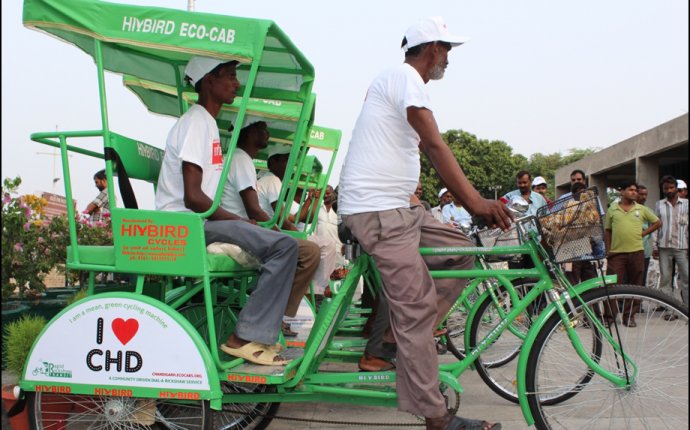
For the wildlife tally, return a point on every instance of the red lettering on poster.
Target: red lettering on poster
(250, 379)
(53, 389)
(178, 395)
(217, 157)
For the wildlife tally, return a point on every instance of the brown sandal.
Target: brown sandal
(370, 363)
(287, 331)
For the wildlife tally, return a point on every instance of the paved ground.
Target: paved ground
(477, 402)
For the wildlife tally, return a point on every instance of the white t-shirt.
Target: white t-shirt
(194, 139)
(381, 168)
(328, 225)
(242, 176)
(268, 189)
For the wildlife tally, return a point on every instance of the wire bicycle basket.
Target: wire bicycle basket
(571, 227)
(492, 237)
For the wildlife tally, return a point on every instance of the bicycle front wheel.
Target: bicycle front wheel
(657, 370)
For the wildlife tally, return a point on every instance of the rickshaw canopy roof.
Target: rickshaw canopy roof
(281, 116)
(155, 44)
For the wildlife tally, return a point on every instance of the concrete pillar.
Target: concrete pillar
(599, 181)
(647, 170)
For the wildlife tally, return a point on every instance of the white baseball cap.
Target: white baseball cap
(680, 184)
(278, 149)
(198, 67)
(539, 181)
(442, 192)
(431, 29)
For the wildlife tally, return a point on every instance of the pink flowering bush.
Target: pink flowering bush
(27, 254)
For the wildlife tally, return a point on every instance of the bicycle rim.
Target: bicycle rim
(658, 346)
(497, 365)
(245, 416)
(81, 412)
(456, 322)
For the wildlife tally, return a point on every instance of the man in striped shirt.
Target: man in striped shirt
(672, 238)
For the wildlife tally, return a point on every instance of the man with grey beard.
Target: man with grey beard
(377, 203)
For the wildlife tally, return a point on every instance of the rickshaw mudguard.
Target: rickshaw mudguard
(122, 344)
(537, 325)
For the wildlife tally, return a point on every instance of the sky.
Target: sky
(542, 76)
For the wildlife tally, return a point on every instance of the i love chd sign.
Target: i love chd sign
(119, 340)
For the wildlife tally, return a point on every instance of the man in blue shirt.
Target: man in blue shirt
(524, 189)
(535, 200)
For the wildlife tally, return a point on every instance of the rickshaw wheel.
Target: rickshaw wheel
(224, 320)
(245, 416)
(77, 412)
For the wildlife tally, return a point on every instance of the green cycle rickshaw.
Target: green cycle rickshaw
(147, 356)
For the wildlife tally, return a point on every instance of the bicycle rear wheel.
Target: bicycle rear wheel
(497, 365)
(657, 396)
(82, 412)
(233, 416)
(245, 416)
(456, 322)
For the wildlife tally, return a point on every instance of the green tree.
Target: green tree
(576, 154)
(490, 163)
(485, 163)
(546, 165)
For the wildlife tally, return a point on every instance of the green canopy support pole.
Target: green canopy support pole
(180, 90)
(98, 56)
(253, 71)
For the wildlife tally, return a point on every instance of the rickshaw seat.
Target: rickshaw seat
(223, 263)
(97, 255)
(105, 256)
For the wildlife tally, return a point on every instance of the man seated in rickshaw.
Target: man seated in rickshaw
(268, 188)
(240, 197)
(190, 174)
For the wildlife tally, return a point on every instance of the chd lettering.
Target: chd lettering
(98, 360)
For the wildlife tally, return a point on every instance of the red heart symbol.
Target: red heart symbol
(125, 330)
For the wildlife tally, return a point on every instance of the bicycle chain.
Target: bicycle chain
(346, 423)
(339, 422)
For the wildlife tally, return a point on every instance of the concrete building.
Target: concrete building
(644, 158)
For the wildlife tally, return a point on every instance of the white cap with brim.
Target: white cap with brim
(680, 184)
(198, 67)
(442, 192)
(431, 29)
(278, 149)
(539, 181)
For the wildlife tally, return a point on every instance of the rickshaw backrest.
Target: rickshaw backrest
(133, 159)
(159, 242)
(149, 241)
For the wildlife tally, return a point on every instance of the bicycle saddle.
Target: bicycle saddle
(345, 234)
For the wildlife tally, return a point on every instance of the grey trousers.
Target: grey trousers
(417, 303)
(261, 317)
(666, 257)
